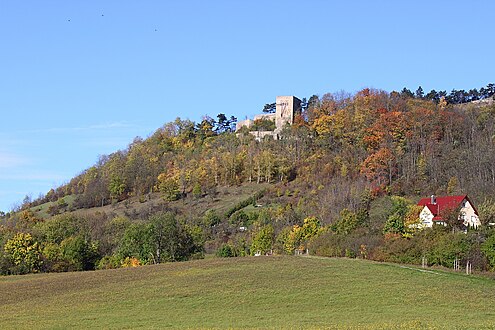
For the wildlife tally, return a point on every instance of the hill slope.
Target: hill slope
(264, 292)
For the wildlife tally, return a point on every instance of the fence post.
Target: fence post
(468, 267)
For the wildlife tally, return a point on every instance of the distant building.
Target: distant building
(436, 208)
(287, 107)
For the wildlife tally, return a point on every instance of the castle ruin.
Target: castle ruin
(286, 108)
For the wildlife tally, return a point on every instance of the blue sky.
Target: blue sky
(82, 79)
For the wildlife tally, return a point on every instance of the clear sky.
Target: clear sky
(79, 79)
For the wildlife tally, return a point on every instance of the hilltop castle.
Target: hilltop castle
(286, 108)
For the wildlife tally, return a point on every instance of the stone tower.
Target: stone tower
(286, 109)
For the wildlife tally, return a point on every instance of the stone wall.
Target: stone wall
(248, 123)
(265, 116)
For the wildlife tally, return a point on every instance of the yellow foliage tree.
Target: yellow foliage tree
(24, 252)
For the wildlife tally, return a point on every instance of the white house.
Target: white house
(435, 208)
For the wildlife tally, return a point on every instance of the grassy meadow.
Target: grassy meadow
(250, 293)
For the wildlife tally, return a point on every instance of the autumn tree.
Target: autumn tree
(168, 184)
(24, 252)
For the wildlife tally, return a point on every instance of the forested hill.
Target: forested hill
(344, 176)
(393, 143)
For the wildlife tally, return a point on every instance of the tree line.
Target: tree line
(455, 96)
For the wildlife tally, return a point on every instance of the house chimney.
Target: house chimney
(433, 199)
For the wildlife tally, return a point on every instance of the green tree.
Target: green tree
(394, 224)
(262, 240)
(447, 248)
(348, 221)
(137, 243)
(488, 249)
(196, 191)
(166, 236)
(169, 185)
(116, 187)
(81, 253)
(58, 228)
(270, 107)
(420, 93)
(172, 241)
(399, 211)
(406, 93)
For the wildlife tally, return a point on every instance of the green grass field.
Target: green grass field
(255, 292)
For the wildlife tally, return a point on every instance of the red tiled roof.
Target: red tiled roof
(444, 204)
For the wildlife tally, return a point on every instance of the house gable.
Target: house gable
(426, 217)
(435, 208)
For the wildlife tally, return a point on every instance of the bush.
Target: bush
(130, 262)
(239, 218)
(6, 264)
(196, 191)
(399, 249)
(109, 262)
(328, 245)
(211, 219)
(226, 251)
(350, 254)
(359, 243)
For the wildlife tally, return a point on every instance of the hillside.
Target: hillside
(250, 293)
(341, 180)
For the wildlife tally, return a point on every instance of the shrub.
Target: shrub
(211, 219)
(196, 191)
(130, 262)
(239, 218)
(226, 251)
(109, 262)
